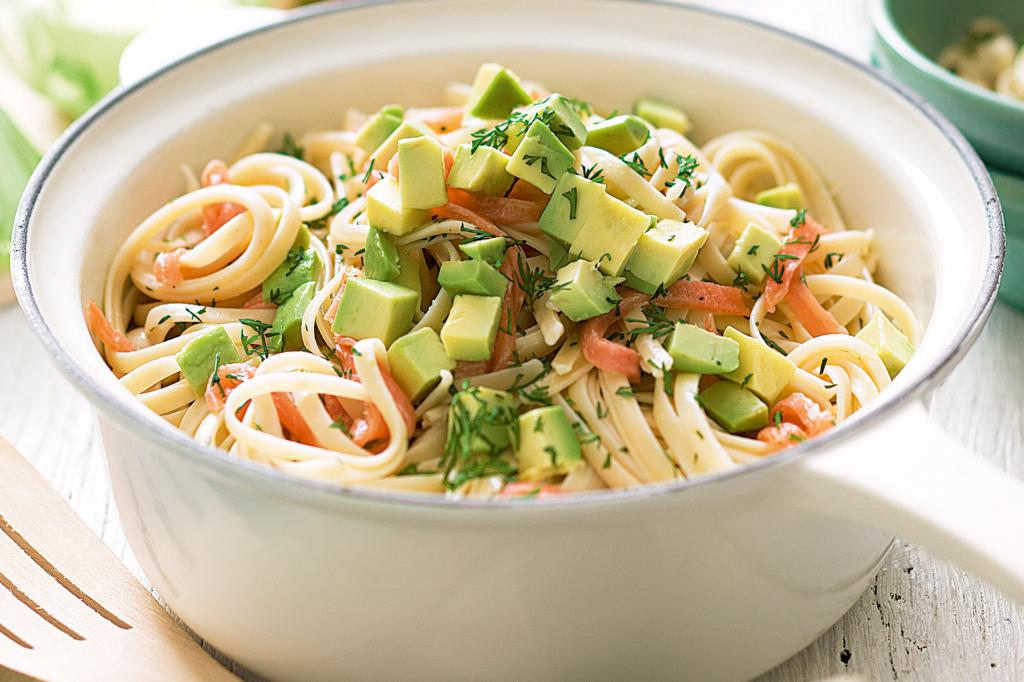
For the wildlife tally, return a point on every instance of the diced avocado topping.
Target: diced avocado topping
(373, 309)
(662, 115)
(754, 252)
(783, 196)
(389, 147)
(559, 255)
(701, 352)
(468, 333)
(619, 134)
(421, 173)
(541, 158)
(610, 235)
(299, 266)
(496, 92)
(736, 409)
(483, 171)
(288, 318)
(384, 209)
(378, 127)
(202, 354)
(491, 251)
(471, 277)
(558, 114)
(480, 420)
(582, 292)
(410, 271)
(380, 261)
(762, 370)
(572, 202)
(666, 252)
(416, 361)
(634, 282)
(546, 444)
(892, 346)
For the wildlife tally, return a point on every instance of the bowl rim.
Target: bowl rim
(890, 34)
(293, 487)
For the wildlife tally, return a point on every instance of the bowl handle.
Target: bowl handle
(910, 477)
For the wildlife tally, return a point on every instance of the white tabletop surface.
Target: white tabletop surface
(920, 619)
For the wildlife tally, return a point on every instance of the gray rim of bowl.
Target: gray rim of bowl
(891, 34)
(291, 486)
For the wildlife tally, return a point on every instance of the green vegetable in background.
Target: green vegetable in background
(18, 158)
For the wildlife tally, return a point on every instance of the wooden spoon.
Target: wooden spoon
(69, 609)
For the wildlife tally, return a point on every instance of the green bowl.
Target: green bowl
(1011, 196)
(908, 37)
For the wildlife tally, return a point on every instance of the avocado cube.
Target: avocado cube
(619, 134)
(736, 409)
(468, 333)
(421, 173)
(783, 196)
(480, 420)
(698, 351)
(416, 361)
(754, 252)
(377, 128)
(662, 115)
(389, 147)
(198, 358)
(299, 266)
(483, 171)
(665, 253)
(380, 259)
(384, 209)
(471, 277)
(560, 116)
(763, 370)
(572, 202)
(496, 92)
(302, 238)
(892, 346)
(634, 282)
(546, 444)
(559, 255)
(541, 158)
(370, 309)
(410, 271)
(287, 325)
(582, 292)
(490, 250)
(610, 235)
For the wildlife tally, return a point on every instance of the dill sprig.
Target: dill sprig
(290, 148)
(259, 343)
(470, 452)
(657, 323)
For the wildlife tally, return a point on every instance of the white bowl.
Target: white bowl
(718, 578)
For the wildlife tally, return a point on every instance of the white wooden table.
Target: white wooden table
(919, 620)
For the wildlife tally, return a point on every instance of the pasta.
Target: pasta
(988, 56)
(505, 296)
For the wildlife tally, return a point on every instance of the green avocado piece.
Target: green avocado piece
(491, 251)
(666, 252)
(373, 309)
(483, 171)
(582, 292)
(559, 255)
(421, 173)
(416, 361)
(496, 92)
(618, 135)
(892, 346)
(471, 277)
(634, 282)
(384, 209)
(700, 352)
(198, 358)
(559, 114)
(410, 270)
(610, 235)
(378, 127)
(572, 202)
(754, 252)
(288, 318)
(546, 444)
(380, 260)
(472, 324)
(736, 409)
(783, 196)
(480, 420)
(389, 147)
(299, 266)
(762, 370)
(541, 158)
(662, 115)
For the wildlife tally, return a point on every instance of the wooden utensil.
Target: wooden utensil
(69, 610)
